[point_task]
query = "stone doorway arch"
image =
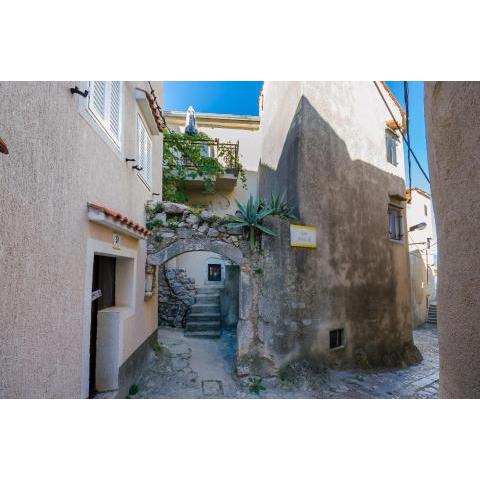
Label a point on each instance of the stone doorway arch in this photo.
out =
(189, 236)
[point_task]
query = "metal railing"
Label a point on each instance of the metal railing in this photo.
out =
(225, 152)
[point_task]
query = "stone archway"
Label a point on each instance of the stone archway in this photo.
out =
(191, 232)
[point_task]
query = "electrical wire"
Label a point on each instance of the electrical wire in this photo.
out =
(400, 130)
(405, 95)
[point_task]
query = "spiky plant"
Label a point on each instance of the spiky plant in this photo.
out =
(279, 207)
(250, 216)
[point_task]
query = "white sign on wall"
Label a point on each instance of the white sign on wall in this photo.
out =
(303, 236)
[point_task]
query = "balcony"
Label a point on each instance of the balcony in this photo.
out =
(227, 155)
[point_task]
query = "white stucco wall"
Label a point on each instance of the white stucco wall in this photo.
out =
(57, 163)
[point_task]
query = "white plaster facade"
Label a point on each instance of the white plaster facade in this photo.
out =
(60, 159)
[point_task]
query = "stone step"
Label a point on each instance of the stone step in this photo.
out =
(202, 326)
(213, 298)
(209, 334)
(203, 317)
(204, 308)
(209, 290)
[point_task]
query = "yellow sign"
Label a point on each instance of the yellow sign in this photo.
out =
(303, 236)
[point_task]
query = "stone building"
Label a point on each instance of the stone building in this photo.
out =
(422, 246)
(78, 310)
(333, 149)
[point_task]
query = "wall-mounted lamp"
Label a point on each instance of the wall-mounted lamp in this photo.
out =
(136, 167)
(418, 226)
(79, 92)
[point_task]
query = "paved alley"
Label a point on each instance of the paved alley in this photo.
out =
(203, 368)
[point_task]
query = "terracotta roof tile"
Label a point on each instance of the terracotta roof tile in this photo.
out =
(153, 107)
(122, 218)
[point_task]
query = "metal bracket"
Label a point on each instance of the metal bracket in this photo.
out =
(136, 167)
(77, 90)
(130, 160)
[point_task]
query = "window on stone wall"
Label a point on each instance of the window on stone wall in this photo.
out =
(395, 223)
(214, 272)
(337, 338)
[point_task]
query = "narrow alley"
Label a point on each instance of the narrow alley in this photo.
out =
(203, 368)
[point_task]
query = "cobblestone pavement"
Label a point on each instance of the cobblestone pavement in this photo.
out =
(203, 368)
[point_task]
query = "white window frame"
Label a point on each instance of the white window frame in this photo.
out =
(142, 174)
(105, 122)
(391, 137)
(116, 144)
(395, 234)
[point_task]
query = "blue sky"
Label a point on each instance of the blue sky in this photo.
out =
(240, 98)
(417, 130)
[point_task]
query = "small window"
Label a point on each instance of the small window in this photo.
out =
(214, 272)
(395, 223)
(391, 142)
(425, 209)
(144, 146)
(105, 105)
(337, 338)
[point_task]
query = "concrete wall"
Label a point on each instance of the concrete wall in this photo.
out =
(57, 163)
(423, 285)
(196, 263)
(324, 144)
(452, 116)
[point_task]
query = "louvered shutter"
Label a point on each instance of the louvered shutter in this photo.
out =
(144, 151)
(98, 99)
(114, 120)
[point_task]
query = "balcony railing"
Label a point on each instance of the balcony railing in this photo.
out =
(226, 153)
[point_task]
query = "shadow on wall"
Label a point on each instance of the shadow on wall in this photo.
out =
(356, 279)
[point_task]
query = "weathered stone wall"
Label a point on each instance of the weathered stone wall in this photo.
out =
(184, 234)
(324, 146)
(176, 293)
(452, 116)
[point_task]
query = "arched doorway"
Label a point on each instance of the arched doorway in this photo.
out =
(238, 256)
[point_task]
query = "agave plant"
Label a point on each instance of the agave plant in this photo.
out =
(250, 216)
(279, 207)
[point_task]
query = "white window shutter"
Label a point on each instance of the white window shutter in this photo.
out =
(115, 109)
(144, 151)
(98, 99)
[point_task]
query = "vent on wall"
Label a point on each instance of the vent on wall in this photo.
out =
(337, 338)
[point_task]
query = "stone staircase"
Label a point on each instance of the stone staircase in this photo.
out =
(432, 313)
(204, 318)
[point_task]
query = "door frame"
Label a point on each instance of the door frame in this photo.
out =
(98, 247)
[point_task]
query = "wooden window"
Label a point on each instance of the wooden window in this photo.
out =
(144, 146)
(395, 223)
(391, 143)
(105, 105)
(214, 272)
